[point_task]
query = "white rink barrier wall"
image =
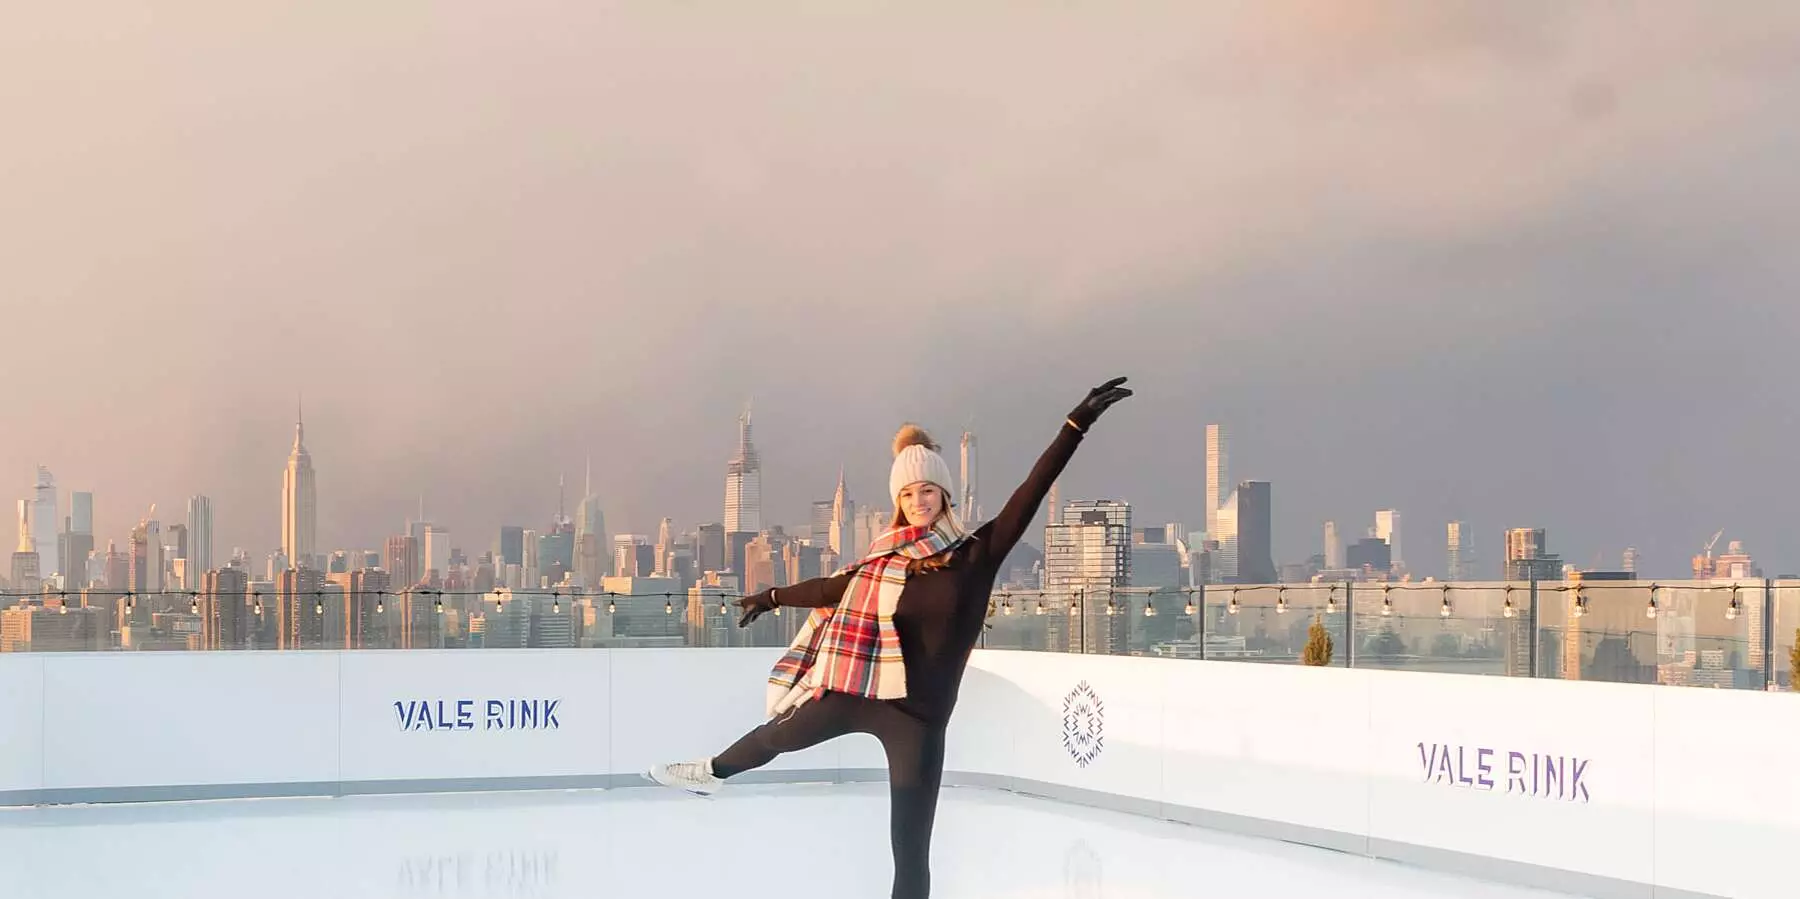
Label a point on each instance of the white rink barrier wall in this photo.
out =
(1597, 789)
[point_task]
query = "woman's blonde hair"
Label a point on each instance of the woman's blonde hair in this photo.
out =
(941, 560)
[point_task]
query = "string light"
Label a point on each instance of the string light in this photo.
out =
(1189, 608)
(1040, 607)
(1731, 610)
(668, 607)
(1149, 609)
(1650, 607)
(1006, 607)
(1331, 601)
(1231, 608)
(1506, 606)
(380, 606)
(1387, 600)
(612, 607)
(437, 605)
(1444, 610)
(1281, 601)
(1580, 603)
(1109, 607)
(722, 609)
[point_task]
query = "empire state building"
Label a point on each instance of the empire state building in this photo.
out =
(299, 503)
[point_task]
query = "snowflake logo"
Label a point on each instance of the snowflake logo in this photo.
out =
(1084, 724)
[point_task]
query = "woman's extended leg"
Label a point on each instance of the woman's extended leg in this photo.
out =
(814, 722)
(830, 716)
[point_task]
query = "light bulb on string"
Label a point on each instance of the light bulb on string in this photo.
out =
(1506, 607)
(1189, 608)
(1387, 602)
(1006, 607)
(1040, 607)
(1281, 601)
(1231, 608)
(1149, 609)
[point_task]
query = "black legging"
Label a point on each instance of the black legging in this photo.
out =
(915, 753)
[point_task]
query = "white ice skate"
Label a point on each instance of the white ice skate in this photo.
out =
(693, 777)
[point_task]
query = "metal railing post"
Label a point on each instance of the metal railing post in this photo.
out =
(1533, 621)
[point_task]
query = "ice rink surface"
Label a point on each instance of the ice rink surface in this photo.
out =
(748, 842)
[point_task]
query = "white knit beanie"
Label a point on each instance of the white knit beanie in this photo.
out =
(916, 459)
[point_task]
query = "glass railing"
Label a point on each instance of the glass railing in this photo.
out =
(1737, 634)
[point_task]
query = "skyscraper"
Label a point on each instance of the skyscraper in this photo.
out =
(593, 548)
(1225, 536)
(1456, 562)
(299, 503)
(27, 565)
(44, 521)
(709, 549)
(665, 544)
(743, 484)
(819, 533)
(1528, 557)
(437, 551)
(1255, 532)
(1216, 471)
(1387, 527)
(200, 538)
(970, 508)
(225, 609)
(300, 623)
(1334, 546)
(1087, 555)
(512, 544)
(146, 572)
(843, 522)
(401, 551)
(81, 513)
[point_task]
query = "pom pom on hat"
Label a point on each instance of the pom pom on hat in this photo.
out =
(916, 459)
(913, 435)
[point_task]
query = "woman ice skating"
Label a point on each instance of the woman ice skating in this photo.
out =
(884, 649)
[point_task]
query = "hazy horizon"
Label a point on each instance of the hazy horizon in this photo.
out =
(1521, 265)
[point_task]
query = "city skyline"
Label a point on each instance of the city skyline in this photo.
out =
(430, 545)
(1450, 261)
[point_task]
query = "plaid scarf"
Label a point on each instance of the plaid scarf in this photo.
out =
(853, 648)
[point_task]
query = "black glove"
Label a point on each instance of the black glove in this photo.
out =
(1098, 400)
(755, 605)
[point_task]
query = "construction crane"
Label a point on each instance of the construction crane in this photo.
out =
(1703, 563)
